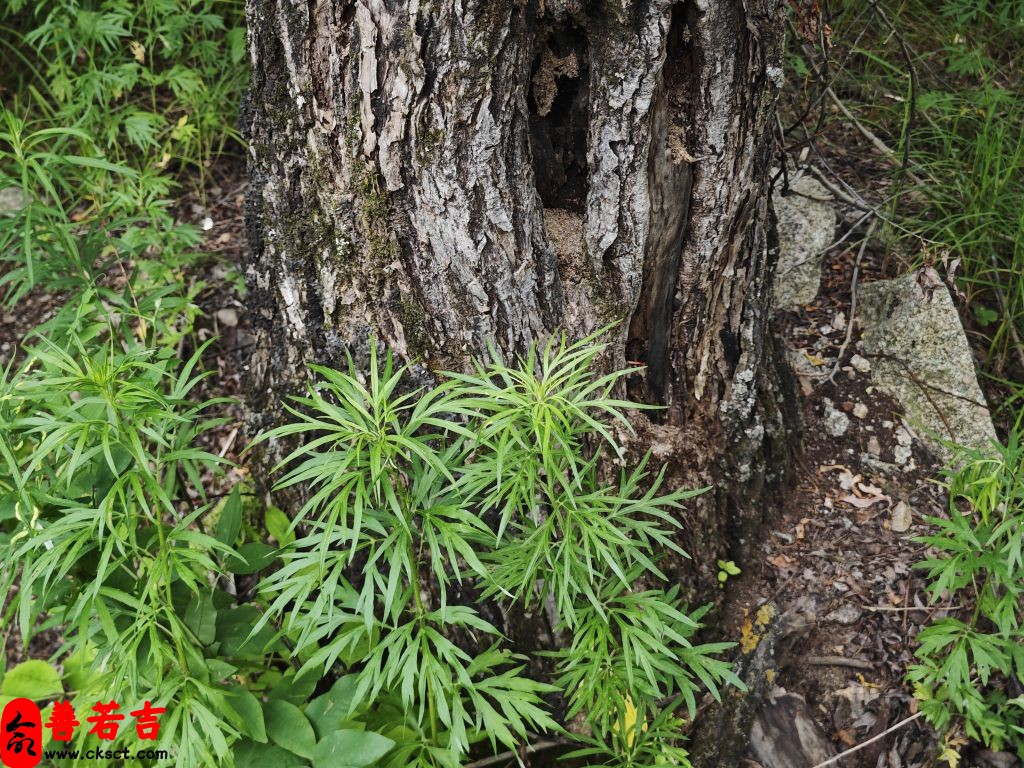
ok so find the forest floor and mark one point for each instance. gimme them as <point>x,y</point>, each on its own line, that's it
<point>838,560</point>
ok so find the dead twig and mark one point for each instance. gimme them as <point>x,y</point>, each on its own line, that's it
<point>854,198</point>
<point>853,301</point>
<point>924,387</point>
<point>876,142</point>
<point>838,661</point>
<point>908,56</point>
<point>886,732</point>
<point>511,754</point>
<point>906,608</point>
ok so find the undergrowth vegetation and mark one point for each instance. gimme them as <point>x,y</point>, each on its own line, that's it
<point>372,627</point>
<point>427,508</point>
<point>939,85</point>
<point>109,110</point>
<point>377,625</point>
<point>966,665</point>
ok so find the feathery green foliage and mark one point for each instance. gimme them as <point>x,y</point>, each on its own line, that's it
<point>490,485</point>
<point>965,665</point>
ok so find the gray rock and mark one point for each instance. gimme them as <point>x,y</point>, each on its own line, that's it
<point>860,364</point>
<point>835,422</point>
<point>228,317</point>
<point>900,518</point>
<point>806,225</point>
<point>920,356</point>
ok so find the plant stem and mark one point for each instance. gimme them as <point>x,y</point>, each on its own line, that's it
<point>414,577</point>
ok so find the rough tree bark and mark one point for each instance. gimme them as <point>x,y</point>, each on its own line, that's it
<point>452,174</point>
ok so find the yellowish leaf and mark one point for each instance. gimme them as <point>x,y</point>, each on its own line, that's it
<point>628,720</point>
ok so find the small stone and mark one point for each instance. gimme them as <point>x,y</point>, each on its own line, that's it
<point>826,330</point>
<point>227,317</point>
<point>860,364</point>
<point>836,422</point>
<point>874,447</point>
<point>860,411</point>
<point>839,321</point>
<point>901,454</point>
<point>887,424</point>
<point>845,614</point>
<point>900,518</point>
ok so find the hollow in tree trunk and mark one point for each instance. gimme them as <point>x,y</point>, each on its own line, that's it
<point>456,174</point>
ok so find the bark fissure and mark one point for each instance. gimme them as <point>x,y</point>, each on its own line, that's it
<point>455,175</point>
<point>670,180</point>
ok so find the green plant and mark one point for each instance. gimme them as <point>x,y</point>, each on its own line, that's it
<point>966,666</point>
<point>635,742</point>
<point>156,81</point>
<point>109,527</point>
<point>490,483</point>
<point>98,450</point>
<point>727,568</point>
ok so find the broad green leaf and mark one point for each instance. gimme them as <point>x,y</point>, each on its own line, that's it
<point>233,628</point>
<point>252,557</point>
<point>31,679</point>
<point>248,752</point>
<point>351,749</point>
<point>201,618</point>
<point>329,711</point>
<point>250,713</point>
<point>230,522</point>
<point>295,688</point>
<point>78,672</point>
<point>288,727</point>
<point>278,526</point>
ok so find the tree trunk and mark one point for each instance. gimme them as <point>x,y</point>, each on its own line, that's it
<point>456,174</point>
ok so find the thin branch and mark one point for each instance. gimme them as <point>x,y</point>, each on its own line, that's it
<point>886,732</point>
<point>868,134</point>
<point>924,387</point>
<point>908,125</point>
<point>838,661</point>
<point>853,301</point>
<point>906,608</point>
<point>511,754</point>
